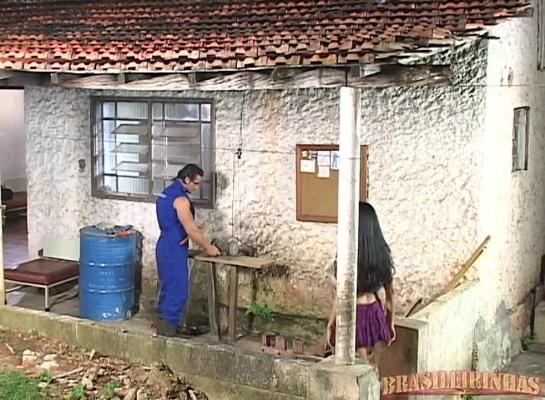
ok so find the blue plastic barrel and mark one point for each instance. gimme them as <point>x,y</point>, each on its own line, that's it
<point>107,271</point>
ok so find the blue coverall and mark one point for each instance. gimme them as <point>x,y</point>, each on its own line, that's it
<point>172,255</point>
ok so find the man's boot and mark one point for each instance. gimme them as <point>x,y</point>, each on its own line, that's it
<point>165,328</point>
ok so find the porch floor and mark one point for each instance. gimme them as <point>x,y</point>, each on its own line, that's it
<point>65,301</point>
<point>15,239</point>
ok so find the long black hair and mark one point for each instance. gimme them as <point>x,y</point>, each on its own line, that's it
<point>375,265</point>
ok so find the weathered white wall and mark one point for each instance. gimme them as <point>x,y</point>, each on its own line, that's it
<point>452,319</point>
<point>512,209</point>
<point>424,174</point>
<point>12,139</point>
<point>425,171</point>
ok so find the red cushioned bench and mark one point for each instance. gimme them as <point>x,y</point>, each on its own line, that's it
<point>44,273</point>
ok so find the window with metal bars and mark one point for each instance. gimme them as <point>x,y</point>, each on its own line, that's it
<point>138,146</point>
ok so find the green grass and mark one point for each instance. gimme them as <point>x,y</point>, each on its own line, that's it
<point>46,376</point>
<point>16,386</point>
<point>110,389</point>
<point>526,341</point>
<point>78,393</point>
<point>260,309</point>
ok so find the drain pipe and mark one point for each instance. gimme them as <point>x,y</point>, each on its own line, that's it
<point>347,228</point>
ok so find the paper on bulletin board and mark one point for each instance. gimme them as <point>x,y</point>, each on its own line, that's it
<point>308,166</point>
<point>323,158</point>
<point>323,171</point>
<point>335,160</point>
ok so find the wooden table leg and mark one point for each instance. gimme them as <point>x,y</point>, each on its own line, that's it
<point>233,295</point>
<point>213,311</point>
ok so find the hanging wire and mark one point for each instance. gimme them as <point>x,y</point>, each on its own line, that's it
<point>236,159</point>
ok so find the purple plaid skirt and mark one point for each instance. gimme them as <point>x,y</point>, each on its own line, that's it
<point>371,325</point>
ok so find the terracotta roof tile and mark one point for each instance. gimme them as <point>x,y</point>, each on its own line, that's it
<point>161,35</point>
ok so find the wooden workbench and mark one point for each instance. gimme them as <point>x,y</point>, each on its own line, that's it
<point>234,263</point>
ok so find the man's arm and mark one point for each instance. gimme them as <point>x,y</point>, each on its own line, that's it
<point>181,204</point>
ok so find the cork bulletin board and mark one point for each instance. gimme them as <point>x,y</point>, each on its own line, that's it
<point>317,181</point>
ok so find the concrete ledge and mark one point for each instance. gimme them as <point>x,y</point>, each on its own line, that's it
<point>221,371</point>
<point>451,317</point>
<point>328,381</point>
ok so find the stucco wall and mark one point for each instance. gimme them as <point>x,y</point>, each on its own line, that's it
<point>425,169</point>
<point>424,176</point>
<point>513,203</point>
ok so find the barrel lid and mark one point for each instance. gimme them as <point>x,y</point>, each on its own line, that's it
<point>107,231</point>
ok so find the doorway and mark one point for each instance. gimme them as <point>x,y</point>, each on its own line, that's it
<point>14,177</point>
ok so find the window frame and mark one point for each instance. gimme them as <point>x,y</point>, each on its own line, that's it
<point>150,197</point>
<point>541,35</point>
<point>515,150</point>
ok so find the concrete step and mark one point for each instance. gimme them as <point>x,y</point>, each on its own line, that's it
<point>539,323</point>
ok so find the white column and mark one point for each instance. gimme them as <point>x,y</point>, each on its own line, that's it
<point>347,229</point>
<point>2,286</point>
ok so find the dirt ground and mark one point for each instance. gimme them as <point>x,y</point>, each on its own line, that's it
<point>83,373</point>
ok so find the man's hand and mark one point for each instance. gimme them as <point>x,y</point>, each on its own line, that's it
<point>213,250</point>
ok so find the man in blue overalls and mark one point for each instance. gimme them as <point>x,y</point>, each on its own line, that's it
<point>176,217</point>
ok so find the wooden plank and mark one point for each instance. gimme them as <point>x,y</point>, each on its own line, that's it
<point>247,80</point>
<point>280,78</point>
<point>239,261</point>
<point>6,74</point>
<point>403,75</point>
<point>233,304</point>
<point>455,280</point>
<point>213,309</point>
<point>414,307</point>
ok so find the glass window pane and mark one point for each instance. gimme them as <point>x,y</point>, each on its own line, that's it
<point>196,195</point>
<point>190,112</point>
<point>205,112</point>
<point>109,145</point>
<point>132,110</point>
<point>182,111</point>
<point>110,185</point>
<point>157,110</point>
<point>206,148</point>
<point>108,110</point>
<point>173,111</point>
<point>205,189</point>
<point>186,132</point>
<point>158,185</point>
<point>130,185</point>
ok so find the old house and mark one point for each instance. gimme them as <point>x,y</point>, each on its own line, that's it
<point>451,117</point>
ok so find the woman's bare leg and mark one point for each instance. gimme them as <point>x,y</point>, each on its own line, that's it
<point>362,353</point>
<point>376,353</point>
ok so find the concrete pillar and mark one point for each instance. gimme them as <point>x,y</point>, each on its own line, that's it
<point>347,229</point>
<point>2,286</point>
<point>328,381</point>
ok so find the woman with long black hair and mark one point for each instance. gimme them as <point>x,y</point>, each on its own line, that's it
<point>374,324</point>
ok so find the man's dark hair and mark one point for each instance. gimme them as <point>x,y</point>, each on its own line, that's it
<point>189,171</point>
